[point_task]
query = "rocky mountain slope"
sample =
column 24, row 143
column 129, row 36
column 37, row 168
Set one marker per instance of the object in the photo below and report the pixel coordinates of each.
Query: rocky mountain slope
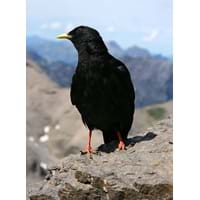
column 153, row 79
column 50, row 114
column 143, row 171
column 54, row 126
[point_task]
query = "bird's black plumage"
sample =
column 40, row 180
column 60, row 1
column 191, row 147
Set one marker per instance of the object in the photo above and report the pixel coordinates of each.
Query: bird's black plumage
column 101, row 87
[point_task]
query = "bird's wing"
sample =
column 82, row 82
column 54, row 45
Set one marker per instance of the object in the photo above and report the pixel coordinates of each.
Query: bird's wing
column 115, row 82
column 123, row 83
column 121, row 95
column 74, row 88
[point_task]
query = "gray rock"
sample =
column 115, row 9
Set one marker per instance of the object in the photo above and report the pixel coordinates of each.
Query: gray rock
column 142, row 172
column 37, row 161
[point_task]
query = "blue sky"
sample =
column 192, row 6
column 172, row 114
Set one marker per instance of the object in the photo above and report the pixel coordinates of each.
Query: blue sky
column 146, row 23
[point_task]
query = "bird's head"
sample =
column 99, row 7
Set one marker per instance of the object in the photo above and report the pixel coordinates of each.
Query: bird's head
column 84, row 37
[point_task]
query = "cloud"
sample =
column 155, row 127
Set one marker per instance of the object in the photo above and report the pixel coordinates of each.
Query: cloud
column 152, row 36
column 55, row 25
column 110, row 29
column 52, row 26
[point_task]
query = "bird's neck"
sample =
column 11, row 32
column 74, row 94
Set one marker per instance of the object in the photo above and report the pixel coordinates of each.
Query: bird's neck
column 91, row 48
column 83, row 55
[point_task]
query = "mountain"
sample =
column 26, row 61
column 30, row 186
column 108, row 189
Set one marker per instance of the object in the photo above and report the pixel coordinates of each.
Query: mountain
column 52, row 51
column 153, row 79
column 58, row 71
column 55, row 50
column 152, row 74
column 39, row 87
column 49, row 105
column 137, row 52
column 115, row 49
column 54, row 126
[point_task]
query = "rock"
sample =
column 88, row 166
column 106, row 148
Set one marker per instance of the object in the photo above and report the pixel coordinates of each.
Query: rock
column 142, row 172
column 37, row 161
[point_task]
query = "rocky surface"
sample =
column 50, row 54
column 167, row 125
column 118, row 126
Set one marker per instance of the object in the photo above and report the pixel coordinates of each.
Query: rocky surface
column 142, row 172
column 37, row 161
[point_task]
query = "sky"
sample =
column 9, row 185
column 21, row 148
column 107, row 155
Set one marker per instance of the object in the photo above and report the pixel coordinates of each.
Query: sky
column 145, row 23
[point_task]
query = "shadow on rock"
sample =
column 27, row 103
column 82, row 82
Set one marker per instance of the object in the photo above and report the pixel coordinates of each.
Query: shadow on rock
column 111, row 147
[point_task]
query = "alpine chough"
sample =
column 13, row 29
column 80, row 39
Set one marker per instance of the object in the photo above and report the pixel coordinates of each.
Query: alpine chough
column 101, row 87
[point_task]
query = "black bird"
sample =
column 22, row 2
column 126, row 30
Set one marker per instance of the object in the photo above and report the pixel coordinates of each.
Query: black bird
column 101, row 87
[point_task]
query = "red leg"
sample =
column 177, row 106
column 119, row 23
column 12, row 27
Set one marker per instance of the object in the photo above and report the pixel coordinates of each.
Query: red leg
column 88, row 146
column 121, row 145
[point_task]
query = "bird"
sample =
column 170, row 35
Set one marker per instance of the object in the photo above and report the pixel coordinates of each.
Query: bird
column 101, row 88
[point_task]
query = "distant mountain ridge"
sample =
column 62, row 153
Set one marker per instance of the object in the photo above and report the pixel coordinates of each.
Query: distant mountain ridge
column 58, row 71
column 64, row 51
column 152, row 74
column 51, row 50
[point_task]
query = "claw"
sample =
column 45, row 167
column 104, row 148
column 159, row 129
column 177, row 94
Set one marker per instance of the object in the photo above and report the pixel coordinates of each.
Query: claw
column 88, row 151
column 121, row 145
column 88, row 148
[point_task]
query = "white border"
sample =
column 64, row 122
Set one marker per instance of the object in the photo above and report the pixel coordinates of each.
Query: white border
column 186, row 99
column 13, row 100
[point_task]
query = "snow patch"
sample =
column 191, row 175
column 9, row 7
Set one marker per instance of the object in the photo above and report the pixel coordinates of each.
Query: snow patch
column 44, row 138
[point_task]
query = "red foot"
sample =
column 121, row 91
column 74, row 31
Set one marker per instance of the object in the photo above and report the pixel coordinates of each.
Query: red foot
column 121, row 145
column 88, row 150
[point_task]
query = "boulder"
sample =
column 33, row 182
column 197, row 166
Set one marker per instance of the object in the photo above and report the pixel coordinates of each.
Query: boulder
column 141, row 172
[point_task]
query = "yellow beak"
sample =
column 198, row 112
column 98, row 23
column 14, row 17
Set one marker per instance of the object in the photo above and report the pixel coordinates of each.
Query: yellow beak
column 64, row 36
